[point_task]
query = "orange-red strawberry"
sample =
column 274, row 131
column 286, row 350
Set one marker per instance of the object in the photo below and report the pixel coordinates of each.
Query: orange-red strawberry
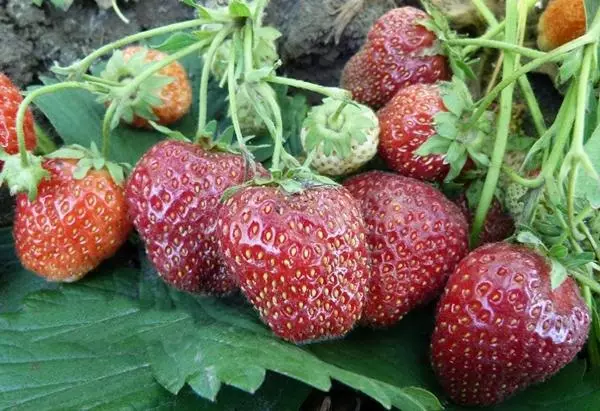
column 72, row 225
column 561, row 22
column 10, row 99
column 416, row 236
column 174, row 195
column 399, row 51
column 498, row 225
column 406, row 122
column 173, row 100
column 500, row 327
column 301, row 259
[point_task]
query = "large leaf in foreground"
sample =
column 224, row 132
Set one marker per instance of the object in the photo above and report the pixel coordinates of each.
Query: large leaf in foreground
column 84, row 330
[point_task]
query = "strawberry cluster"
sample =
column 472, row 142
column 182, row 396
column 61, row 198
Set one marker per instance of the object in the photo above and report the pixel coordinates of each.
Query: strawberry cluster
column 314, row 257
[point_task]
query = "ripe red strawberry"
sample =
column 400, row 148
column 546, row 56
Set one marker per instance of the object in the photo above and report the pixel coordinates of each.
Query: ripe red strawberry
column 498, row 225
column 399, row 51
column 500, row 328
column 174, row 195
column 416, row 236
column 10, row 99
column 301, row 259
column 406, row 122
column 72, row 225
column 176, row 97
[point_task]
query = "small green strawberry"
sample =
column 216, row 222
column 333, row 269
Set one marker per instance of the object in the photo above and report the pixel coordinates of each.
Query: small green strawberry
column 343, row 136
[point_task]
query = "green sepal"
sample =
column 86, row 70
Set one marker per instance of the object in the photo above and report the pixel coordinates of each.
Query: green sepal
column 354, row 125
column 558, row 274
column 21, row 179
column 239, row 9
column 171, row 134
column 90, row 159
column 141, row 102
column 438, row 24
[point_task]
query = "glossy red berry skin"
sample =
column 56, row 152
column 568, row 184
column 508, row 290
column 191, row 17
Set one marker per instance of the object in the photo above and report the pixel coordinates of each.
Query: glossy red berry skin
column 399, row 51
column 174, row 196
column 10, row 99
column 498, row 224
column 72, row 225
column 416, row 238
column 301, row 259
column 406, row 122
column 500, row 328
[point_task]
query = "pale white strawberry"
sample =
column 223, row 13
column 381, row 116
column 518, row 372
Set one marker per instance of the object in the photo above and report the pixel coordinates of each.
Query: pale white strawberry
column 340, row 142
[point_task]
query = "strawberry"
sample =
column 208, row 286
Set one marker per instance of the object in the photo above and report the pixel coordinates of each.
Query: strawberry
column 10, row 99
column 561, row 22
column 301, row 259
column 399, row 51
column 165, row 98
column 174, row 195
column 407, row 122
column 341, row 141
column 416, row 236
column 498, row 225
column 500, row 327
column 72, row 225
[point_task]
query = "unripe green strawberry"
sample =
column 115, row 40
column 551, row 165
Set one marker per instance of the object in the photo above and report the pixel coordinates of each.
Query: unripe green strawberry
column 250, row 121
column 513, row 199
column 344, row 141
column 264, row 52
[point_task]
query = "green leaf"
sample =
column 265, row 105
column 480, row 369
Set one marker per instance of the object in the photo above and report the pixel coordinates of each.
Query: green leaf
column 570, row 66
column 571, row 389
column 434, row 145
column 527, row 237
column 106, row 329
column 588, row 186
column 578, row 260
column 15, row 282
column 239, row 9
column 558, row 274
column 177, row 42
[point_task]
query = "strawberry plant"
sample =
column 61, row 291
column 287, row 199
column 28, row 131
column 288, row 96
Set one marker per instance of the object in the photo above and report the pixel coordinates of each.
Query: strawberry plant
column 254, row 278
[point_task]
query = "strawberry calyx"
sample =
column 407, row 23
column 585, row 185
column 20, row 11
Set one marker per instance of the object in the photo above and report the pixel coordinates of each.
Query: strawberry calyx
column 438, row 24
column 455, row 137
column 146, row 96
column 21, row 178
column 90, row 159
column 335, row 126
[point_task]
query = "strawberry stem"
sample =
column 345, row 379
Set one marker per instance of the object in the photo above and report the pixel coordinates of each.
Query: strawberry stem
column 587, row 281
column 333, row 121
column 485, row 12
column 501, row 45
column 20, row 121
column 490, row 34
column 261, row 5
column 248, row 46
column 504, row 118
column 119, row 13
column 82, row 66
column 232, row 86
column 332, row 92
column 208, row 59
column 555, row 55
